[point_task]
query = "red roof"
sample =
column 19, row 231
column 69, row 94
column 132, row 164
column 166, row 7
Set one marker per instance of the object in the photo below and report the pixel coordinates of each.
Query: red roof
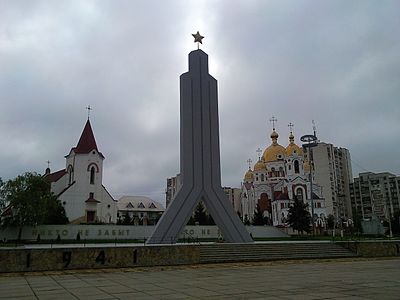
column 87, row 142
column 92, row 200
column 53, row 177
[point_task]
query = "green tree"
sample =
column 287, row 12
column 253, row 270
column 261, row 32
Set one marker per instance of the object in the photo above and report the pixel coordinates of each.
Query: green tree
column 330, row 221
column 357, row 221
column 210, row 220
column 55, row 212
column 299, row 218
column 191, row 221
column 267, row 220
column 31, row 202
column 246, row 220
column 200, row 215
column 395, row 221
column 126, row 219
column 258, row 218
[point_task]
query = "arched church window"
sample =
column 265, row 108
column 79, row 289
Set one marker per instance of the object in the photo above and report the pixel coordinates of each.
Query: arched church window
column 70, row 171
column 92, row 173
column 296, row 167
column 262, row 177
column 299, row 194
column 273, row 172
column 281, row 172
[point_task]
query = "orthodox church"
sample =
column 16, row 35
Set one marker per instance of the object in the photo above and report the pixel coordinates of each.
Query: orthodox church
column 278, row 176
column 79, row 186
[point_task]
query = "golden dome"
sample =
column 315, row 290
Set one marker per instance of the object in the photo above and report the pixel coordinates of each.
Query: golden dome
column 260, row 165
column 249, row 175
column 292, row 147
column 274, row 151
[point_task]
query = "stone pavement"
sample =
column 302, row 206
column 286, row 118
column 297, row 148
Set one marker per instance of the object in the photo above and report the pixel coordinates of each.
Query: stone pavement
column 308, row 279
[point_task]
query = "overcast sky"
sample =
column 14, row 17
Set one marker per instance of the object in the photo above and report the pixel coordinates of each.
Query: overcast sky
column 335, row 62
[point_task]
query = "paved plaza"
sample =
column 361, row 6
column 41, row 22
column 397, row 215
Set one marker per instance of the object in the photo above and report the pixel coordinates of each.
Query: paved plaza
column 309, row 279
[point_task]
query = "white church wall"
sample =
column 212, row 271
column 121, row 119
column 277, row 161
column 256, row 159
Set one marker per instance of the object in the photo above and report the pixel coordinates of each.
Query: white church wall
column 74, row 204
column 107, row 209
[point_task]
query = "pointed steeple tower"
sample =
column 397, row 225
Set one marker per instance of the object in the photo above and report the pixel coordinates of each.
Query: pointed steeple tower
column 86, row 142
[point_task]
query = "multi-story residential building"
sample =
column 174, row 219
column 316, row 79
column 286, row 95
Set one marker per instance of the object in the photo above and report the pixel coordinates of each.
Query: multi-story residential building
column 173, row 186
column 332, row 171
column 375, row 194
column 234, row 196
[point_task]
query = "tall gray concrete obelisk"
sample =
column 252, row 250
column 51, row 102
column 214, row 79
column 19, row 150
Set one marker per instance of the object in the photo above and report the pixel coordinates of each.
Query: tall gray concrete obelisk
column 200, row 159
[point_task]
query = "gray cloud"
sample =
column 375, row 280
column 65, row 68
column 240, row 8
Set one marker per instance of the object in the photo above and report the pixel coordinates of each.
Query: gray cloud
column 335, row 62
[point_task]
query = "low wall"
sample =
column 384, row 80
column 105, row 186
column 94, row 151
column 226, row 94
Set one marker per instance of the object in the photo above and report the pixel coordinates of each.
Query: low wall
column 373, row 248
column 25, row 260
column 121, row 232
column 66, row 258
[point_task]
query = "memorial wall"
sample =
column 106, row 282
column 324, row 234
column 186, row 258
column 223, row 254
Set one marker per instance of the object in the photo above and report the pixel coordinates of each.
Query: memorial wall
column 121, row 232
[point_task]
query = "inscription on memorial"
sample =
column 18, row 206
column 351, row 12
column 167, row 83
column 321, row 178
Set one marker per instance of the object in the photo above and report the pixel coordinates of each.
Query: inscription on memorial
column 66, row 258
column 50, row 233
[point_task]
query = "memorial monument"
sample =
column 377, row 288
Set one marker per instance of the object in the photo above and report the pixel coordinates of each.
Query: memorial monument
column 200, row 158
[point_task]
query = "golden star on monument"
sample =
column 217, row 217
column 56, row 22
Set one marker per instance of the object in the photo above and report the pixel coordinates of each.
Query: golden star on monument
column 198, row 37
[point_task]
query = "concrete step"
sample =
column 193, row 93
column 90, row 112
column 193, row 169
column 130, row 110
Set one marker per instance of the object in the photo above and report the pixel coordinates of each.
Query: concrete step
column 274, row 254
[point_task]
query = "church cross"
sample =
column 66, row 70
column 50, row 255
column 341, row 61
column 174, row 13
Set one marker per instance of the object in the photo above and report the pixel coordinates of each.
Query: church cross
column 314, row 128
column 273, row 120
column 249, row 161
column 48, row 163
column 259, row 153
column 291, row 125
column 88, row 111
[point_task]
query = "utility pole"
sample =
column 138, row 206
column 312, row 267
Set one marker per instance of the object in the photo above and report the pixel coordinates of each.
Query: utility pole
column 310, row 141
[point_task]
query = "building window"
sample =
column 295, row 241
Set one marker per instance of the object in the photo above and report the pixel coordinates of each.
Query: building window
column 262, row 177
column 299, row 194
column 296, row 167
column 282, row 205
column 90, row 216
column 92, row 173
column 70, row 174
column 91, row 195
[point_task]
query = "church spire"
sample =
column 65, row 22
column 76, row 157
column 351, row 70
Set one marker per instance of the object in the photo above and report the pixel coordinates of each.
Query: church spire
column 274, row 134
column 86, row 142
column 291, row 136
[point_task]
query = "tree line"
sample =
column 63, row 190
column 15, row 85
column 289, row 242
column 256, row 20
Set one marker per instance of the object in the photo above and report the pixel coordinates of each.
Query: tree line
column 28, row 201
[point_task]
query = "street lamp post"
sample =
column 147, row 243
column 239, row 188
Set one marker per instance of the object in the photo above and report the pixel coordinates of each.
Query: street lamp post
column 310, row 141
